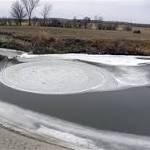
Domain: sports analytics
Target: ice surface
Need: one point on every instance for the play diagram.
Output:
(56, 77)
(75, 73)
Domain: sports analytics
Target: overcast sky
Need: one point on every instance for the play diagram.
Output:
(116, 10)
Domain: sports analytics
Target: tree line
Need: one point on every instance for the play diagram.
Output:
(22, 11)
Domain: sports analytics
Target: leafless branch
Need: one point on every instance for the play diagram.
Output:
(45, 12)
(17, 12)
(30, 5)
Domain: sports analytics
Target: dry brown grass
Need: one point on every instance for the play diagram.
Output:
(79, 33)
(63, 40)
(41, 37)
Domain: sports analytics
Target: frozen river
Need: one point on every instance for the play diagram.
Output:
(105, 97)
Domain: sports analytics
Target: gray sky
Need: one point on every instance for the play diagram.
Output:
(117, 10)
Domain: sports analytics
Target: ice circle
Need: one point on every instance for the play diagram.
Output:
(55, 77)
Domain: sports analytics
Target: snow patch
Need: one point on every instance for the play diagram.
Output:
(65, 133)
(114, 60)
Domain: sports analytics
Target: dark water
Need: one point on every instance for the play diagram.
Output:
(124, 111)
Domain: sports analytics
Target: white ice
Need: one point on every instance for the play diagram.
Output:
(75, 73)
(56, 77)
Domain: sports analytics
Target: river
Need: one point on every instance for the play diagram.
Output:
(119, 107)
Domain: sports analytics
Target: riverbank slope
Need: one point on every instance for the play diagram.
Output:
(48, 40)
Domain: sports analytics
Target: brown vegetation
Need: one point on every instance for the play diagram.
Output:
(58, 40)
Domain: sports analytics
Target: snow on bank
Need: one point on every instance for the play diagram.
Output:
(67, 134)
(114, 60)
(10, 53)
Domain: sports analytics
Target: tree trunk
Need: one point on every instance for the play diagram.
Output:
(44, 21)
(20, 22)
(29, 21)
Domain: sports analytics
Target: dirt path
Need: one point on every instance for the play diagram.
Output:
(12, 141)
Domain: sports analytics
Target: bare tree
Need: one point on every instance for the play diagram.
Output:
(75, 22)
(17, 12)
(99, 22)
(30, 5)
(45, 12)
(86, 20)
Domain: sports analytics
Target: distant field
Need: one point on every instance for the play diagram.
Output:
(66, 40)
(81, 33)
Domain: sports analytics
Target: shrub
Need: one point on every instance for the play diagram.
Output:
(137, 31)
(40, 39)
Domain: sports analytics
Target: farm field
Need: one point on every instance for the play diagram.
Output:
(79, 33)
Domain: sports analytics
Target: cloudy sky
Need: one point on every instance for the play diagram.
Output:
(116, 10)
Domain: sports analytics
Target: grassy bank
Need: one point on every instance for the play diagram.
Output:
(59, 40)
